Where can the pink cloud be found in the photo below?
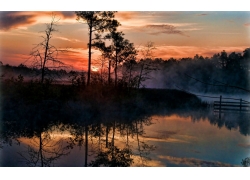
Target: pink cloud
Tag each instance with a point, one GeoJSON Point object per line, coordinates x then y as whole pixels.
{"type": "Point", "coordinates": [247, 24]}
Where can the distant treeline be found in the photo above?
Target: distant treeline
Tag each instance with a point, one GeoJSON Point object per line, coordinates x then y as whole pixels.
{"type": "Point", "coordinates": [222, 72]}
{"type": "Point", "coordinates": [9, 70]}
{"type": "Point", "coordinates": [54, 75]}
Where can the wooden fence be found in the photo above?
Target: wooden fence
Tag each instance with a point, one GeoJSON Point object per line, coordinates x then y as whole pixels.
{"type": "Point", "coordinates": [231, 104]}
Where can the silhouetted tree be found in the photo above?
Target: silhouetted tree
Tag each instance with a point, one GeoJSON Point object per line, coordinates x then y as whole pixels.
{"type": "Point", "coordinates": [122, 50]}
{"type": "Point", "coordinates": [223, 59]}
{"type": "Point", "coordinates": [146, 65]}
{"type": "Point", "coordinates": [233, 64]}
{"type": "Point", "coordinates": [106, 54]}
{"type": "Point", "coordinates": [129, 73]}
{"type": "Point", "coordinates": [98, 22]}
{"type": "Point", "coordinates": [44, 54]}
{"type": "Point", "coordinates": [246, 60]}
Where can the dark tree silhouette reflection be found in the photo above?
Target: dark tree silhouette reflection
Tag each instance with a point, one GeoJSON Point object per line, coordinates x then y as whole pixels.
{"type": "Point", "coordinates": [111, 132]}
{"type": "Point", "coordinates": [113, 157]}
{"type": "Point", "coordinates": [44, 151]}
{"type": "Point", "coordinates": [246, 162]}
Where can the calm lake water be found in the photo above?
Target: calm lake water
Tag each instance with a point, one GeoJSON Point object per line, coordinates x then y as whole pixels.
{"type": "Point", "coordinates": [182, 138]}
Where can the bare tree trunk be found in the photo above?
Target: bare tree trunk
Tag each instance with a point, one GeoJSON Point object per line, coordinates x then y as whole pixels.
{"type": "Point", "coordinates": [109, 69]}
{"type": "Point", "coordinates": [41, 149]}
{"type": "Point", "coordinates": [138, 142]}
{"type": "Point", "coordinates": [127, 136]}
{"type": "Point", "coordinates": [137, 137]}
{"type": "Point", "coordinates": [46, 52]}
{"type": "Point", "coordinates": [90, 44]}
{"type": "Point", "coordinates": [99, 139]}
{"type": "Point", "coordinates": [116, 69]}
{"type": "Point", "coordinates": [113, 140]}
{"type": "Point", "coordinates": [107, 136]}
{"type": "Point", "coordinates": [42, 75]}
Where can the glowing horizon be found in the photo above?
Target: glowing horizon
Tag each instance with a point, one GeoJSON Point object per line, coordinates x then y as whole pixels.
{"type": "Point", "coordinates": [174, 34]}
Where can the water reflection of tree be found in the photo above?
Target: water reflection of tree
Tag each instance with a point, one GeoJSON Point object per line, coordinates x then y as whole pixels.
{"type": "Point", "coordinates": [144, 149]}
{"type": "Point", "coordinates": [233, 121]}
{"type": "Point", "coordinates": [44, 150]}
{"type": "Point", "coordinates": [34, 122]}
{"type": "Point", "coordinates": [90, 136]}
{"type": "Point", "coordinates": [246, 162]}
{"type": "Point", "coordinates": [123, 155]}
{"type": "Point", "coordinates": [95, 128]}
{"type": "Point", "coordinates": [113, 157]}
{"type": "Point", "coordinates": [228, 119]}
{"type": "Point", "coordinates": [100, 136]}
{"type": "Point", "coordinates": [80, 138]}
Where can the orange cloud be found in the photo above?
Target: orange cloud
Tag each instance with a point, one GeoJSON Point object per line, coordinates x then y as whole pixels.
{"type": "Point", "coordinates": [78, 58]}
{"type": "Point", "coordinates": [125, 15]}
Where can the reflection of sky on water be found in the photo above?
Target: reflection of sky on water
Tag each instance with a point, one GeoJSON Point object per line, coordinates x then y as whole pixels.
{"type": "Point", "coordinates": [179, 141]}
{"type": "Point", "coordinates": [11, 158]}
{"type": "Point", "coordinates": [197, 142]}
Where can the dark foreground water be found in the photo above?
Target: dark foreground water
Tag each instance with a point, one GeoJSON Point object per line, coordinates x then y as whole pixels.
{"type": "Point", "coordinates": [185, 138]}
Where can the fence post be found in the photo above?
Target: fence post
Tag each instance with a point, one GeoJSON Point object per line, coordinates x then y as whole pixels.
{"type": "Point", "coordinates": [240, 104]}
{"type": "Point", "coordinates": [220, 107]}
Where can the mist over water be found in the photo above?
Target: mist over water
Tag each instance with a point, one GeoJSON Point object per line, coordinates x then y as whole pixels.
{"type": "Point", "coordinates": [186, 76]}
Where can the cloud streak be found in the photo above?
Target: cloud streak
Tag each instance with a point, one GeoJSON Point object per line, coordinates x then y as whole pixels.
{"type": "Point", "coordinates": [14, 19]}
{"type": "Point", "coordinates": [203, 14]}
{"type": "Point", "coordinates": [67, 39]}
{"type": "Point", "coordinates": [158, 29]}
{"type": "Point", "coordinates": [247, 146]}
{"type": "Point", "coordinates": [10, 20]}
{"type": "Point", "coordinates": [164, 29]}
{"type": "Point", "coordinates": [193, 162]}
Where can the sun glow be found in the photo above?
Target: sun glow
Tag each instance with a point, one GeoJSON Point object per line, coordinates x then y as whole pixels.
{"type": "Point", "coordinates": [94, 68]}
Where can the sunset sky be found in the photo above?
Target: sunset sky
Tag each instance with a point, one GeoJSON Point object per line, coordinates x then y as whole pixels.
{"type": "Point", "coordinates": [175, 34]}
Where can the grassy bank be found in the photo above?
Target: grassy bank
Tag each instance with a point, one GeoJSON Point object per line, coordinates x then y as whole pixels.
{"type": "Point", "coordinates": [34, 92]}
{"type": "Point", "coordinates": [37, 102]}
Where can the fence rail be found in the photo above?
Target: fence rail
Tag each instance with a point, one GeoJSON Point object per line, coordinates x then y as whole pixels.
{"type": "Point", "coordinates": [232, 105]}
